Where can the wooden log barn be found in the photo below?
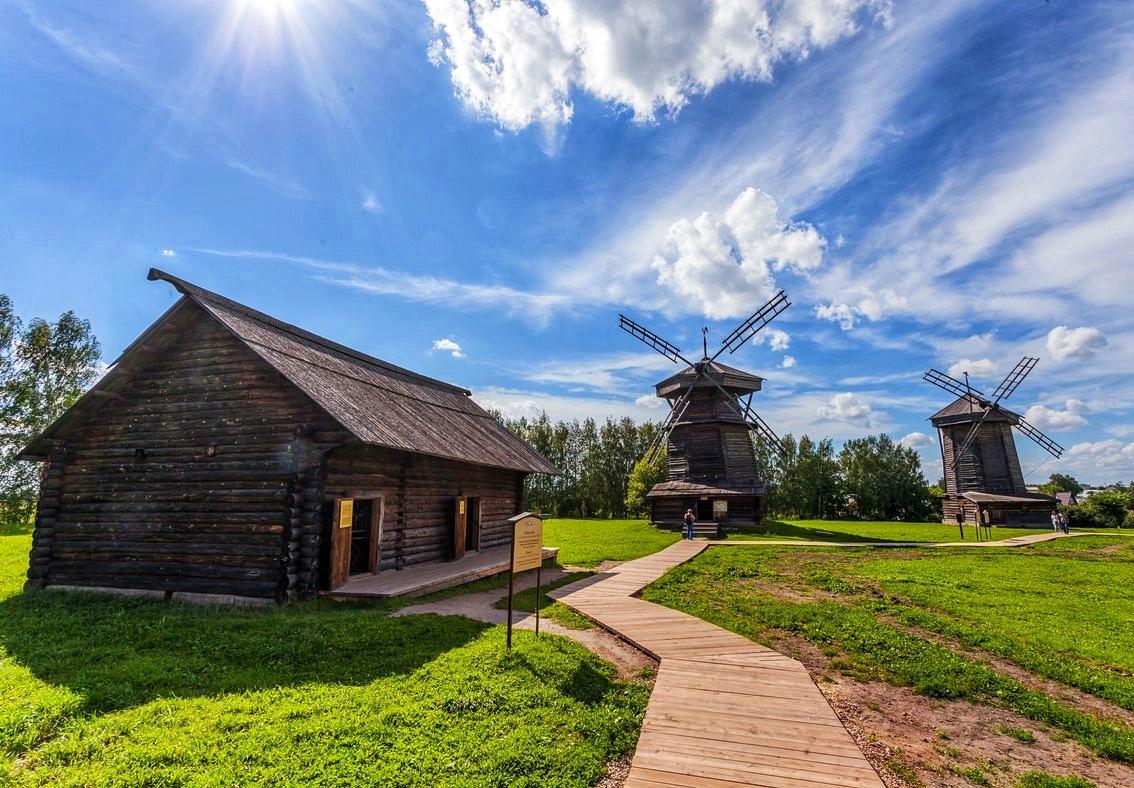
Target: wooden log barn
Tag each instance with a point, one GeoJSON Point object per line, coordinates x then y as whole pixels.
{"type": "Point", "coordinates": [229, 456]}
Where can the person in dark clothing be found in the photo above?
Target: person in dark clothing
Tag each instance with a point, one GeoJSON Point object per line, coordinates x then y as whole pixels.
{"type": "Point", "coordinates": [689, 520]}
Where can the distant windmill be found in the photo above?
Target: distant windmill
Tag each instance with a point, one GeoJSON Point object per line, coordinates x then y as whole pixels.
{"type": "Point", "coordinates": [983, 479]}
{"type": "Point", "coordinates": [708, 433]}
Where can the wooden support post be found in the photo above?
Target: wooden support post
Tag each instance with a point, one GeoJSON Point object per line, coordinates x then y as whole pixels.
{"type": "Point", "coordinates": [537, 571]}
{"type": "Point", "coordinates": [511, 580]}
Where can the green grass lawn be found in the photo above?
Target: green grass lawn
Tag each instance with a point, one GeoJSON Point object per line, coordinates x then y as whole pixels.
{"type": "Point", "coordinates": [97, 690]}
{"type": "Point", "coordinates": [855, 531]}
{"type": "Point", "coordinates": [1064, 614]}
{"type": "Point", "coordinates": [588, 543]}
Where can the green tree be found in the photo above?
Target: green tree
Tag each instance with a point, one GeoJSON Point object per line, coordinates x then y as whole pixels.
{"type": "Point", "coordinates": [805, 481]}
{"type": "Point", "coordinates": [643, 476]}
{"type": "Point", "coordinates": [884, 479]}
{"type": "Point", "coordinates": [1061, 482]}
{"type": "Point", "coordinates": [1109, 506]}
{"type": "Point", "coordinates": [44, 368]}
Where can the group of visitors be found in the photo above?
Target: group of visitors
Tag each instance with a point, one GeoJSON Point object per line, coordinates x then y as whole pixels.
{"type": "Point", "coordinates": [1061, 522]}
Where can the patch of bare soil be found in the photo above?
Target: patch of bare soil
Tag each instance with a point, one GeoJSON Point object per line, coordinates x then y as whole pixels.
{"type": "Point", "coordinates": [616, 773]}
{"type": "Point", "coordinates": [914, 740]}
{"type": "Point", "coordinates": [630, 662]}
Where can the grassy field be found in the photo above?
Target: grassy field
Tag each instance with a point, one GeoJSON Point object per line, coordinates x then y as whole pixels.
{"type": "Point", "coordinates": [923, 618]}
{"type": "Point", "coordinates": [852, 531]}
{"type": "Point", "coordinates": [588, 543]}
{"type": "Point", "coordinates": [97, 691]}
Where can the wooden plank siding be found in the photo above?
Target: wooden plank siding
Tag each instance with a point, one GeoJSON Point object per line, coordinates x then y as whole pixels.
{"type": "Point", "coordinates": [203, 462]}
{"type": "Point", "coordinates": [182, 481]}
{"type": "Point", "coordinates": [420, 494]}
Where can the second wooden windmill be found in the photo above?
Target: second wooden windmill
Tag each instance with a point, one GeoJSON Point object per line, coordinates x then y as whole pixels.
{"type": "Point", "coordinates": [983, 479]}
{"type": "Point", "coordinates": [709, 433]}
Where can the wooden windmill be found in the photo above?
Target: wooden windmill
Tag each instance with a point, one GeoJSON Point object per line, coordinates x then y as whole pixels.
{"type": "Point", "coordinates": [709, 430]}
{"type": "Point", "coordinates": [983, 479]}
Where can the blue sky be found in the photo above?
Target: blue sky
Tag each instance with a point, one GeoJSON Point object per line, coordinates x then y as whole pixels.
{"type": "Point", "coordinates": [476, 189]}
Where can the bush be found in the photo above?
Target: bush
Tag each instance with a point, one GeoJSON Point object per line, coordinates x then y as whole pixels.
{"type": "Point", "coordinates": [1129, 521]}
{"type": "Point", "coordinates": [1086, 518]}
{"type": "Point", "coordinates": [1109, 506]}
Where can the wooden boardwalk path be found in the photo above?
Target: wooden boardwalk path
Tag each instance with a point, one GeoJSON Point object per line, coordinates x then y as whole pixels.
{"type": "Point", "coordinates": [724, 711]}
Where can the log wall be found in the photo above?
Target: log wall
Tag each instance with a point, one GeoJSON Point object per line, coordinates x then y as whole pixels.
{"type": "Point", "coordinates": [991, 463]}
{"type": "Point", "coordinates": [191, 479]}
{"type": "Point", "coordinates": [420, 495]}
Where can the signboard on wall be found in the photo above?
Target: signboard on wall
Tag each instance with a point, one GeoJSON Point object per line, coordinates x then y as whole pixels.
{"type": "Point", "coordinates": [527, 552]}
{"type": "Point", "coordinates": [346, 512]}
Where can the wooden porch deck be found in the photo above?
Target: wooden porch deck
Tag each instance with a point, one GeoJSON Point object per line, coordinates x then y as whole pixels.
{"type": "Point", "coordinates": [425, 578]}
{"type": "Point", "coordinates": [724, 711]}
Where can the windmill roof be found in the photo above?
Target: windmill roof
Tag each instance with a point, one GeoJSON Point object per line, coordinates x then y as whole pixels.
{"type": "Point", "coordinates": [679, 488]}
{"type": "Point", "coordinates": [968, 408]}
{"type": "Point", "coordinates": [377, 402]}
{"type": "Point", "coordinates": [726, 376]}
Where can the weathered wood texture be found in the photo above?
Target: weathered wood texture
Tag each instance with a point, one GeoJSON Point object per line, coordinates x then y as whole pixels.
{"type": "Point", "coordinates": [188, 480]}
{"type": "Point", "coordinates": [421, 494]}
{"type": "Point", "coordinates": [990, 464]}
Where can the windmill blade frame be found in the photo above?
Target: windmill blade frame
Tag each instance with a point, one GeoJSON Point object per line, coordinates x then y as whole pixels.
{"type": "Point", "coordinates": [1038, 437]}
{"type": "Point", "coordinates": [754, 324]}
{"type": "Point", "coordinates": [663, 346]}
{"type": "Point", "coordinates": [1014, 378]}
{"type": "Point", "coordinates": [755, 423]}
{"type": "Point", "coordinates": [952, 385]}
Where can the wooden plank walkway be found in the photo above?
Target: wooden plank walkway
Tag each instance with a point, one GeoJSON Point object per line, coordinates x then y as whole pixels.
{"type": "Point", "coordinates": [425, 578]}
{"type": "Point", "coordinates": [724, 711]}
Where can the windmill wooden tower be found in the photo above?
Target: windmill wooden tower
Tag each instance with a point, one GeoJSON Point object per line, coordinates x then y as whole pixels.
{"type": "Point", "coordinates": [708, 433]}
{"type": "Point", "coordinates": [983, 479]}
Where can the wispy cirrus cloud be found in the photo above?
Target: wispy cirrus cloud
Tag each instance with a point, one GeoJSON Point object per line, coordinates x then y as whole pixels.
{"type": "Point", "coordinates": [378, 280]}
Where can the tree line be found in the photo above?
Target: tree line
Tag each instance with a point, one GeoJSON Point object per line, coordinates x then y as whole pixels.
{"type": "Point", "coordinates": [604, 473]}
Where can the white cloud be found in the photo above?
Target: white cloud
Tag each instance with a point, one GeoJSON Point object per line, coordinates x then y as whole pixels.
{"type": "Point", "coordinates": [515, 403]}
{"type": "Point", "coordinates": [917, 440]}
{"type": "Point", "coordinates": [775, 338]}
{"type": "Point", "coordinates": [448, 346]}
{"type": "Point", "coordinates": [1112, 455]}
{"type": "Point", "coordinates": [1046, 418]}
{"type": "Point", "coordinates": [610, 373]}
{"type": "Point", "coordinates": [168, 253]}
{"type": "Point", "coordinates": [283, 185]}
{"type": "Point", "coordinates": [1079, 344]}
{"type": "Point", "coordinates": [649, 401]}
{"type": "Point", "coordinates": [788, 362]}
{"type": "Point", "coordinates": [370, 203]}
{"type": "Point", "coordinates": [516, 63]}
{"type": "Point", "coordinates": [871, 304]}
{"type": "Point", "coordinates": [977, 368]}
{"type": "Point", "coordinates": [848, 407]}
{"type": "Point", "coordinates": [723, 266]}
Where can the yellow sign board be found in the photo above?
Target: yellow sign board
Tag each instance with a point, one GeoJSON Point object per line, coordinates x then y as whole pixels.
{"type": "Point", "coordinates": [346, 512]}
{"type": "Point", "coordinates": [527, 549]}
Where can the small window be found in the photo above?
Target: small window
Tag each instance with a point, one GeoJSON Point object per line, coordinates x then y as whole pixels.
{"type": "Point", "coordinates": [211, 450]}
{"type": "Point", "coordinates": [720, 510]}
{"type": "Point", "coordinates": [139, 455]}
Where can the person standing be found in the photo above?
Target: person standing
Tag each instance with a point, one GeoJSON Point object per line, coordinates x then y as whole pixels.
{"type": "Point", "coordinates": [1055, 520]}
{"type": "Point", "coordinates": [1064, 523]}
{"type": "Point", "coordinates": [689, 520]}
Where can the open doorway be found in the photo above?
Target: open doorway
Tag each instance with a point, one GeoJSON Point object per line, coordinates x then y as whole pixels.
{"type": "Point", "coordinates": [472, 526]}
{"type": "Point", "coordinates": [704, 510]}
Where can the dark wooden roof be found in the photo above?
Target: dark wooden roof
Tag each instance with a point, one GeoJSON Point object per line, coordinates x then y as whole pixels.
{"type": "Point", "coordinates": [1035, 499]}
{"type": "Point", "coordinates": [967, 409]}
{"type": "Point", "coordinates": [679, 488]}
{"type": "Point", "coordinates": [379, 403]}
{"type": "Point", "coordinates": [730, 378]}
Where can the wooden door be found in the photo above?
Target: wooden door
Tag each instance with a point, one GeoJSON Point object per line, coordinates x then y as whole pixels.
{"type": "Point", "coordinates": [341, 523]}
{"type": "Point", "coordinates": [460, 523]}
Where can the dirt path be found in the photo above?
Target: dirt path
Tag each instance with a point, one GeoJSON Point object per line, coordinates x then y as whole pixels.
{"type": "Point", "coordinates": [480, 606]}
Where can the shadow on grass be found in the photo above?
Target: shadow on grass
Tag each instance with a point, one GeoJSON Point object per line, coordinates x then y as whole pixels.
{"type": "Point", "coordinates": [785, 530]}
{"type": "Point", "coordinates": [118, 653]}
